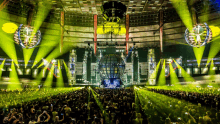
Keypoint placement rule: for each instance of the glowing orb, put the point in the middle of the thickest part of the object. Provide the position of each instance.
(23, 36)
(200, 35)
(9, 28)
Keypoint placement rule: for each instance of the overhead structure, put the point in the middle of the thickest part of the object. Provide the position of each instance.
(113, 11)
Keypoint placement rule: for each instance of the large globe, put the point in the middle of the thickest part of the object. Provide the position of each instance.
(200, 35)
(111, 66)
(25, 38)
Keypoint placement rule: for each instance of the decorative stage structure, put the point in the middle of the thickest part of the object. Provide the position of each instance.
(25, 38)
(151, 67)
(111, 68)
(199, 36)
(71, 67)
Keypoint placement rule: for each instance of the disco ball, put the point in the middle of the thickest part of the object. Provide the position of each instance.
(23, 35)
(111, 66)
(200, 35)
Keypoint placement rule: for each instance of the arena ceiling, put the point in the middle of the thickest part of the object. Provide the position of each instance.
(144, 20)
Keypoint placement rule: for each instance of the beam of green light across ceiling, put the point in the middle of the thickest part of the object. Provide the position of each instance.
(42, 12)
(56, 52)
(183, 11)
(14, 83)
(45, 47)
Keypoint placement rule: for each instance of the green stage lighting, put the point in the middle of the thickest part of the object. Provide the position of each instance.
(7, 41)
(14, 83)
(185, 75)
(60, 82)
(212, 71)
(27, 55)
(66, 68)
(49, 80)
(45, 48)
(42, 12)
(154, 74)
(56, 52)
(162, 77)
(1, 68)
(198, 51)
(214, 49)
(40, 75)
(183, 11)
(173, 77)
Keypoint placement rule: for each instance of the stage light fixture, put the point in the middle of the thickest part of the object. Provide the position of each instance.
(9, 28)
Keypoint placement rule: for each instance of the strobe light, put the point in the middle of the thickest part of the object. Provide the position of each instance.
(23, 37)
(113, 11)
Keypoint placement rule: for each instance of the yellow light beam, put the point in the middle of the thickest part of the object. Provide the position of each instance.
(198, 52)
(27, 55)
(14, 83)
(183, 11)
(7, 41)
(56, 52)
(214, 50)
(66, 68)
(44, 48)
(212, 71)
(49, 80)
(60, 82)
(173, 77)
(162, 77)
(40, 75)
(1, 68)
(42, 12)
(185, 75)
(154, 74)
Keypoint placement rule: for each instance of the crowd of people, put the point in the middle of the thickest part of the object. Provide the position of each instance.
(117, 106)
(182, 108)
(206, 99)
(77, 107)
